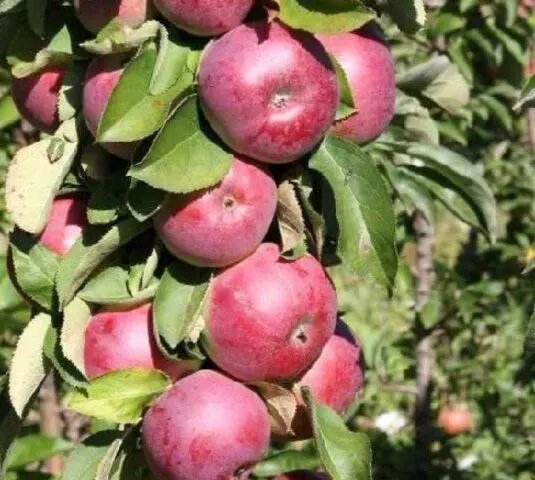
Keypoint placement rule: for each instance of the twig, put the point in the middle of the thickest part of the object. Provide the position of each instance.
(531, 111)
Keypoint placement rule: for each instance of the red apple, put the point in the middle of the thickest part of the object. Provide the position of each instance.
(205, 17)
(121, 339)
(101, 78)
(224, 224)
(268, 318)
(370, 70)
(303, 475)
(455, 419)
(206, 427)
(337, 375)
(268, 91)
(36, 97)
(96, 14)
(65, 224)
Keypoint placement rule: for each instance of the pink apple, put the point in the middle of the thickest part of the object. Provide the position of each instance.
(65, 224)
(36, 97)
(224, 224)
(337, 375)
(205, 17)
(268, 91)
(371, 73)
(268, 318)
(96, 14)
(206, 427)
(120, 339)
(101, 78)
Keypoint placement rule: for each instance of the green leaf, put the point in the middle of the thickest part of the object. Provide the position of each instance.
(133, 113)
(445, 23)
(8, 5)
(108, 201)
(27, 369)
(286, 461)
(35, 12)
(527, 96)
(76, 317)
(184, 156)
(10, 425)
(347, 106)
(83, 463)
(35, 268)
(422, 75)
(8, 112)
(36, 448)
(89, 251)
(119, 396)
(178, 303)
(325, 16)
(144, 201)
(449, 90)
(70, 92)
(345, 455)
(409, 15)
(499, 110)
(107, 462)
(366, 238)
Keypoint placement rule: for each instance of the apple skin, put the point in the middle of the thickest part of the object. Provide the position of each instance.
(102, 76)
(121, 339)
(455, 419)
(337, 375)
(206, 427)
(303, 475)
(205, 17)
(268, 91)
(66, 223)
(36, 97)
(221, 225)
(371, 73)
(96, 14)
(268, 318)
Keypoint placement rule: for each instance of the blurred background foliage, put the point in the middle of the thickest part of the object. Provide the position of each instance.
(459, 79)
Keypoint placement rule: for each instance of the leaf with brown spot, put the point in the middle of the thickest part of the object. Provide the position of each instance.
(282, 407)
(289, 217)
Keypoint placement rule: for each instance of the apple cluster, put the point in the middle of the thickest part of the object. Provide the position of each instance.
(271, 94)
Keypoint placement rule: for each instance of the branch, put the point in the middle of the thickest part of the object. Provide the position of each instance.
(531, 111)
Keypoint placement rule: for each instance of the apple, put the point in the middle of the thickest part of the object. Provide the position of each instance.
(102, 76)
(117, 339)
(204, 17)
(206, 427)
(365, 57)
(65, 224)
(270, 92)
(96, 14)
(303, 475)
(455, 419)
(268, 318)
(337, 375)
(36, 97)
(224, 224)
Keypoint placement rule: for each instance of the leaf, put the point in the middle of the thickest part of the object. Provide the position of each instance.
(35, 268)
(366, 237)
(281, 405)
(183, 157)
(83, 463)
(27, 369)
(88, 252)
(445, 23)
(527, 96)
(499, 110)
(178, 302)
(70, 92)
(10, 425)
(409, 15)
(119, 396)
(107, 462)
(8, 5)
(286, 461)
(449, 90)
(346, 455)
(8, 112)
(36, 448)
(422, 75)
(76, 317)
(347, 106)
(36, 13)
(108, 201)
(325, 16)
(289, 217)
(144, 201)
(33, 181)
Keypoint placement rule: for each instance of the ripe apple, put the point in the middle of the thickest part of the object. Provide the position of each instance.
(370, 70)
(303, 475)
(455, 419)
(96, 14)
(206, 427)
(101, 78)
(36, 97)
(204, 17)
(65, 224)
(221, 225)
(270, 92)
(337, 375)
(268, 318)
(121, 339)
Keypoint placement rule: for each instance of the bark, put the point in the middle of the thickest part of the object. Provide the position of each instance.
(425, 357)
